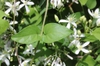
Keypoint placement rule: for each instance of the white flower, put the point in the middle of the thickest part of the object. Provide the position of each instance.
(25, 62)
(12, 7)
(26, 3)
(98, 22)
(81, 48)
(30, 50)
(57, 62)
(70, 20)
(56, 3)
(5, 55)
(95, 14)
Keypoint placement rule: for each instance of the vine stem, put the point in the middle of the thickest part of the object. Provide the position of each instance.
(70, 7)
(45, 15)
(44, 20)
(16, 48)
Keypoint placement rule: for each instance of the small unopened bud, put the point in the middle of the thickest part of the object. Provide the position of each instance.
(90, 21)
(79, 32)
(81, 18)
(56, 18)
(84, 19)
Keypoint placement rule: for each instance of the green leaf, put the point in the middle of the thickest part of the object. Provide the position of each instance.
(90, 38)
(89, 60)
(27, 35)
(2, 14)
(81, 63)
(83, 2)
(98, 58)
(96, 33)
(91, 4)
(3, 26)
(55, 32)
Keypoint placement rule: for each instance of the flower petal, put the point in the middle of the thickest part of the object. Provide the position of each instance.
(73, 23)
(17, 3)
(12, 22)
(90, 12)
(85, 44)
(97, 11)
(7, 61)
(68, 26)
(27, 9)
(8, 4)
(77, 51)
(85, 50)
(69, 57)
(30, 3)
(62, 20)
(8, 10)
(21, 6)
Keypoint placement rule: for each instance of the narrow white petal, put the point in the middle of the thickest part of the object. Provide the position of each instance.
(85, 50)
(30, 3)
(8, 4)
(85, 44)
(90, 12)
(21, 6)
(69, 57)
(68, 26)
(8, 10)
(77, 51)
(1, 56)
(73, 23)
(27, 9)
(7, 61)
(17, 3)
(97, 11)
(62, 20)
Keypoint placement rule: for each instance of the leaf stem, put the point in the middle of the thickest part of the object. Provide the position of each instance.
(45, 15)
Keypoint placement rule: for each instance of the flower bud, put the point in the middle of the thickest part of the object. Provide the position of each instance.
(56, 18)
(81, 18)
(79, 32)
(90, 21)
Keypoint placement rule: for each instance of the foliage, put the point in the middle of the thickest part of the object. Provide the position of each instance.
(49, 33)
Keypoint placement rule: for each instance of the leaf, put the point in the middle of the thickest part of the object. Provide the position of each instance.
(55, 32)
(27, 35)
(2, 14)
(90, 38)
(96, 33)
(83, 2)
(91, 4)
(98, 58)
(80, 63)
(89, 60)
(3, 26)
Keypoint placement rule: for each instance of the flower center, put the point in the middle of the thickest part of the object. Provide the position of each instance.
(80, 47)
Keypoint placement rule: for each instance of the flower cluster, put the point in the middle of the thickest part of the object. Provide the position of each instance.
(16, 6)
